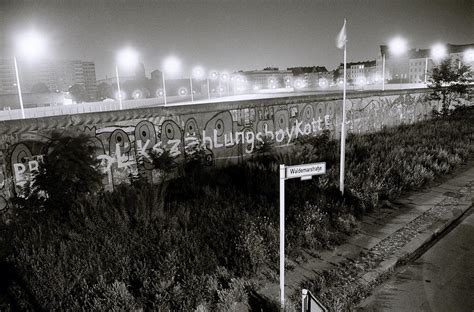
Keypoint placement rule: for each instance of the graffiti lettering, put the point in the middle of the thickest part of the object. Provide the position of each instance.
(142, 149)
(23, 172)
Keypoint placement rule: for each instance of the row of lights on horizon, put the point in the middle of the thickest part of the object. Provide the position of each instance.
(32, 44)
(128, 59)
(398, 46)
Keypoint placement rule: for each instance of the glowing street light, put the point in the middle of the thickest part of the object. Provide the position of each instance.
(182, 91)
(438, 51)
(323, 83)
(137, 94)
(160, 93)
(199, 73)
(30, 45)
(469, 56)
(397, 46)
(172, 66)
(214, 75)
(299, 84)
(225, 77)
(127, 59)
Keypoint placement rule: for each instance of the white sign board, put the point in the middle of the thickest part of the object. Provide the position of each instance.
(305, 170)
(310, 303)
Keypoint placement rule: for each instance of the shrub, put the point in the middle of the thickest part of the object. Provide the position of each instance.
(67, 172)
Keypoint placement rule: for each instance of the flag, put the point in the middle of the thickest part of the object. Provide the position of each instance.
(342, 37)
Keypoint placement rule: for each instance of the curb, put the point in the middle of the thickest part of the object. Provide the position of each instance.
(411, 250)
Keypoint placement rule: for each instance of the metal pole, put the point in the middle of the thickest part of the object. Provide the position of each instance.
(282, 236)
(383, 72)
(164, 86)
(426, 70)
(208, 90)
(19, 88)
(118, 87)
(343, 129)
(304, 294)
(191, 84)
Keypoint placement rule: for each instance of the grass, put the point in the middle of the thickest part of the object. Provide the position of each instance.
(218, 231)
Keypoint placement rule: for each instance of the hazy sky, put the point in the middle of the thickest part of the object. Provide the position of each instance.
(231, 34)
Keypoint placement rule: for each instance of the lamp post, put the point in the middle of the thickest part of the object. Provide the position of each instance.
(214, 75)
(383, 72)
(29, 45)
(19, 88)
(225, 77)
(437, 53)
(191, 88)
(198, 73)
(127, 58)
(397, 46)
(172, 66)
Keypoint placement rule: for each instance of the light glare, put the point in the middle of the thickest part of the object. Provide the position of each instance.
(469, 56)
(438, 51)
(127, 58)
(198, 72)
(31, 45)
(172, 65)
(398, 46)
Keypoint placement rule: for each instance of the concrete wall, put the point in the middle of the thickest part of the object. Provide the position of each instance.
(227, 131)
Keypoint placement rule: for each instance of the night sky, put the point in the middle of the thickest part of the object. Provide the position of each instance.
(232, 35)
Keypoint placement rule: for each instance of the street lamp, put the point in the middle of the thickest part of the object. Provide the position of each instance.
(213, 75)
(172, 66)
(127, 59)
(29, 45)
(198, 73)
(469, 56)
(437, 52)
(397, 46)
(225, 78)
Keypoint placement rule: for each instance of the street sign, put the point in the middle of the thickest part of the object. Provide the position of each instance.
(310, 303)
(306, 170)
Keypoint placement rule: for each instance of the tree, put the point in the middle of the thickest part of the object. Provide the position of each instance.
(68, 171)
(449, 82)
(104, 91)
(337, 74)
(78, 93)
(40, 87)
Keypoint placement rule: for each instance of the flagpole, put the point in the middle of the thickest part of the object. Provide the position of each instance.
(343, 127)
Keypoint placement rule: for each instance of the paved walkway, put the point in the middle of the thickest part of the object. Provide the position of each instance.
(440, 280)
(388, 236)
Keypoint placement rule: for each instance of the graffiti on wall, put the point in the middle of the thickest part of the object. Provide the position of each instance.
(125, 148)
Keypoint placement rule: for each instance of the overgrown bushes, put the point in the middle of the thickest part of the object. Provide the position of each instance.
(218, 229)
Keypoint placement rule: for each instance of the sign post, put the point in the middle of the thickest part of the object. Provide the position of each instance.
(305, 172)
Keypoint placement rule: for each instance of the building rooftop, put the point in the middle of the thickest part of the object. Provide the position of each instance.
(423, 53)
(307, 69)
